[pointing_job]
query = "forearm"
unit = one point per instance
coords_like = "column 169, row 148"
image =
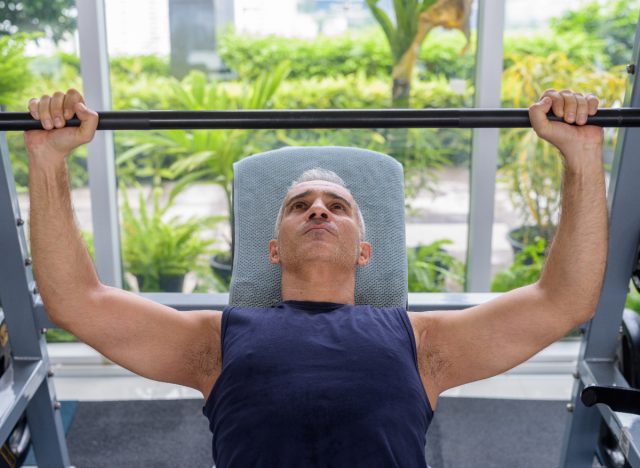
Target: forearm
column 574, row 271
column 64, row 272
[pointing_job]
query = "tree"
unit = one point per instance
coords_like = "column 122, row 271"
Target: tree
column 612, row 24
column 414, row 20
column 53, row 17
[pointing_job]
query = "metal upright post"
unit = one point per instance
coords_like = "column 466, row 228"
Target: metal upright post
column 30, row 387
column 94, row 64
column 597, row 363
column 484, row 152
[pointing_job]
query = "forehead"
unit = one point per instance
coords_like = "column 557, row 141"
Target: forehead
column 319, row 187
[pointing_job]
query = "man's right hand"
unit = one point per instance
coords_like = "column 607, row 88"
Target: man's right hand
column 56, row 141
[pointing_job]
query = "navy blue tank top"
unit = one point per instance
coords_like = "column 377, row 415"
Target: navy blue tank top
column 318, row 384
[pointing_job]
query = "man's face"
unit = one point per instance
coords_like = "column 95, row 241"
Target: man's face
column 319, row 224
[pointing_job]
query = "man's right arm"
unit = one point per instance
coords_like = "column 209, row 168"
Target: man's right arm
column 148, row 338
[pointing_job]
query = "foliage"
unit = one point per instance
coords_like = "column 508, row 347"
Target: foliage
column 206, row 155
column 322, row 56
column 414, row 20
column 14, row 67
column 611, row 24
column 584, row 51
column 134, row 66
column 526, row 268
column 88, row 240
column 425, row 150
column 531, row 166
column 57, row 335
column 431, row 268
column 633, row 298
column 364, row 53
column 440, row 56
column 407, row 15
column 154, row 246
column 55, row 17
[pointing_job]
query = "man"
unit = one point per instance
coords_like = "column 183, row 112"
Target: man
column 317, row 380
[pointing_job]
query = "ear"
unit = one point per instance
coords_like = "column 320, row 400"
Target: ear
column 274, row 257
column 365, row 254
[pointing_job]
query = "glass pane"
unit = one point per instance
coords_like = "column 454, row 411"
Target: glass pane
column 309, row 55
column 582, row 46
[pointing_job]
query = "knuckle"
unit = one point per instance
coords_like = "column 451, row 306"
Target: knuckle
column 58, row 95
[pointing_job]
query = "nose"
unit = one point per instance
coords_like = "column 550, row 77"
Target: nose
column 318, row 211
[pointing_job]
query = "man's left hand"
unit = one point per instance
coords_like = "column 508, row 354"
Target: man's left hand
column 572, row 140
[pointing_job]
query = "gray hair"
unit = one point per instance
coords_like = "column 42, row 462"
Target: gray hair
column 328, row 176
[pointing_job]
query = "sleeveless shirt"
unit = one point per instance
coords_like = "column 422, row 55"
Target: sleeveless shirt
column 318, row 384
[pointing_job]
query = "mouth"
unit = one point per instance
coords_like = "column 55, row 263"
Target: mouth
column 318, row 228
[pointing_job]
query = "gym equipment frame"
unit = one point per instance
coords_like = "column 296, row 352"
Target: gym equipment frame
column 27, row 385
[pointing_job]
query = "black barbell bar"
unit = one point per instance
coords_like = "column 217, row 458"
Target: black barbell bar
column 319, row 118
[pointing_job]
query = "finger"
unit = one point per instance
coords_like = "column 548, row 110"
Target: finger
column 43, row 111
column 581, row 109
column 88, row 121
column 33, row 108
column 56, row 109
column 538, row 114
column 557, row 102
column 71, row 98
column 592, row 104
column 570, row 105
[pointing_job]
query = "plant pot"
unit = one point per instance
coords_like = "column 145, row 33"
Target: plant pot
column 222, row 265
column 520, row 237
column 171, row 283
column 523, row 236
column 167, row 283
column 140, row 281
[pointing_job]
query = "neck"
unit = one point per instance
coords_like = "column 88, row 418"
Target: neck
column 320, row 283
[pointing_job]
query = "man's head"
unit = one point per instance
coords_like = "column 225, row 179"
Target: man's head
column 319, row 220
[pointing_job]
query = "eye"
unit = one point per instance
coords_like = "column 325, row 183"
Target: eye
column 298, row 205
column 338, row 205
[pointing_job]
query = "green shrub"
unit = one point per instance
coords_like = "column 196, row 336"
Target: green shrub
column 432, row 268
column 134, row 66
column 525, row 269
column 319, row 57
column 14, row 68
column 612, row 24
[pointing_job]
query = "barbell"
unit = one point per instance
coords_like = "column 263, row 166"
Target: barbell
column 319, row 118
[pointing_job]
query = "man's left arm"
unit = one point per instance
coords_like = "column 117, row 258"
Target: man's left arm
column 462, row 346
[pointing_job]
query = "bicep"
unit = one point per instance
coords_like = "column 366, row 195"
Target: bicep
column 463, row 346
column 150, row 339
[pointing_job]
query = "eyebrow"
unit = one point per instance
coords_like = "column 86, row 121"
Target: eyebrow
column 308, row 192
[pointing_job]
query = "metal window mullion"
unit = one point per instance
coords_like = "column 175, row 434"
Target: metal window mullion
column 484, row 152
column 94, row 64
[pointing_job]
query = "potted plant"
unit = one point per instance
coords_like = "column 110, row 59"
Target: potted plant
column 208, row 155
column 531, row 166
column 431, row 268
column 534, row 175
column 158, row 251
